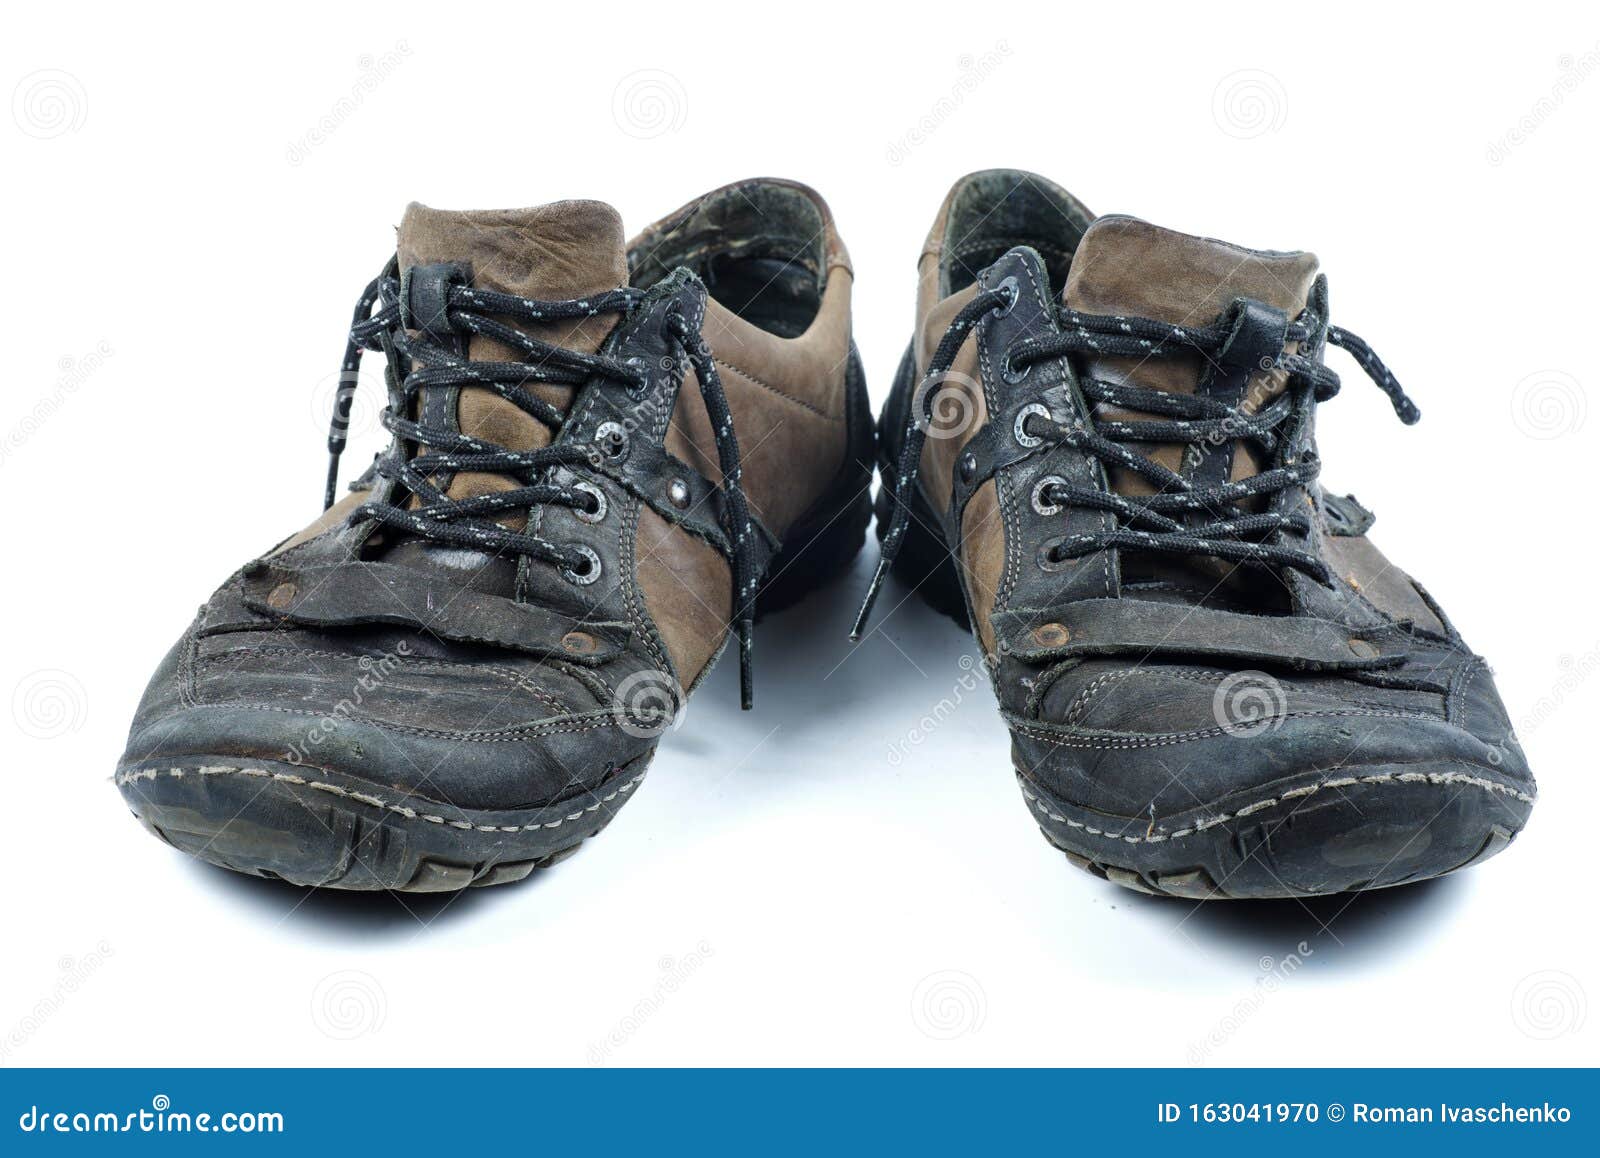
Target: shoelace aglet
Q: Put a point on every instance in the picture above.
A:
(332, 488)
(878, 577)
(747, 692)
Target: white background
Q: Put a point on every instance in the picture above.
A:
(827, 879)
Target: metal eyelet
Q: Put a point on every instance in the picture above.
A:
(1046, 556)
(1013, 292)
(1011, 374)
(642, 366)
(589, 574)
(1022, 436)
(1040, 506)
(599, 513)
(612, 439)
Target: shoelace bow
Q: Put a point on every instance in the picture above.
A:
(1148, 523)
(469, 522)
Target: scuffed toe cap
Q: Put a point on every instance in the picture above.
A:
(1165, 740)
(1203, 783)
(473, 734)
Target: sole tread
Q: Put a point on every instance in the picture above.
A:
(282, 826)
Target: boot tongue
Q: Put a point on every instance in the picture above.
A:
(1128, 267)
(568, 249)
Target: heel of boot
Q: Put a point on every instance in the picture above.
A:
(827, 538)
(925, 563)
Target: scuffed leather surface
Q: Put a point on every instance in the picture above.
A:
(1154, 730)
(454, 721)
(482, 709)
(474, 728)
(1123, 739)
(355, 593)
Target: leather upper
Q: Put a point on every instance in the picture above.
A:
(1134, 682)
(493, 682)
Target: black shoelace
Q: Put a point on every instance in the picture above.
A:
(1149, 523)
(470, 522)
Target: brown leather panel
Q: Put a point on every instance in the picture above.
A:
(1124, 265)
(1364, 568)
(790, 452)
(959, 408)
(688, 591)
(809, 369)
(983, 556)
(562, 250)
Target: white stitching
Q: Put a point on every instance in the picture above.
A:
(1060, 739)
(364, 798)
(1292, 794)
(1081, 704)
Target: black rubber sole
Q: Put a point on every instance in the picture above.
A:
(317, 827)
(1356, 829)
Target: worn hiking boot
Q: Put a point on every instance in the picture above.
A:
(1100, 448)
(605, 459)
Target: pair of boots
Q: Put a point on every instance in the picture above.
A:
(610, 457)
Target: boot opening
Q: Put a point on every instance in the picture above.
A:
(760, 248)
(999, 209)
